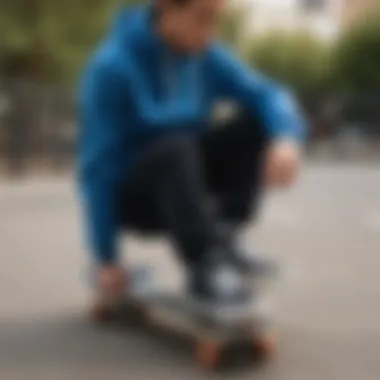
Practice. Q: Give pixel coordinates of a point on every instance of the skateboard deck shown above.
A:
(213, 321)
(213, 328)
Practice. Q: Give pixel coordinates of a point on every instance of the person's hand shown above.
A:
(283, 163)
(112, 280)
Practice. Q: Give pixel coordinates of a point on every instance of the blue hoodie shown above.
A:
(135, 88)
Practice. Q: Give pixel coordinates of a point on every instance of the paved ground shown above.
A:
(327, 233)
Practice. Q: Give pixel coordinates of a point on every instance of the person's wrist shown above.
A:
(283, 161)
(107, 262)
(290, 141)
(111, 277)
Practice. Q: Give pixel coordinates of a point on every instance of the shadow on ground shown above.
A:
(71, 345)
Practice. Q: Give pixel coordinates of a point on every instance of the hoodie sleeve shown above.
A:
(101, 172)
(277, 108)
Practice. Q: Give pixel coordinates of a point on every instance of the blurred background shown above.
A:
(325, 50)
(326, 230)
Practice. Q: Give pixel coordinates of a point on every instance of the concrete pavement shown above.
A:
(326, 232)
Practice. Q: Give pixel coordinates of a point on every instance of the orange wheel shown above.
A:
(264, 346)
(209, 354)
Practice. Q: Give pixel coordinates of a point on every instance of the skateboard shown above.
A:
(214, 331)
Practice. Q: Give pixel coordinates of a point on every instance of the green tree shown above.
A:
(231, 30)
(299, 60)
(357, 57)
(48, 40)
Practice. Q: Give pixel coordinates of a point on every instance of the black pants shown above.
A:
(180, 176)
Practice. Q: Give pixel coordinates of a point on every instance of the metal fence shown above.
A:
(37, 128)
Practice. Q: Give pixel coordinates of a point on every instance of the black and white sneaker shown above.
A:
(247, 265)
(252, 265)
(216, 287)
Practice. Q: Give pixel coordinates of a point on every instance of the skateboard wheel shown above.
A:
(209, 355)
(264, 346)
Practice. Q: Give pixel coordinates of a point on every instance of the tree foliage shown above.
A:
(231, 30)
(299, 60)
(357, 57)
(48, 40)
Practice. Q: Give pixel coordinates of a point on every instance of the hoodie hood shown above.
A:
(134, 26)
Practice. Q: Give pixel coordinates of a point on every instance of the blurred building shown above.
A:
(355, 10)
(324, 18)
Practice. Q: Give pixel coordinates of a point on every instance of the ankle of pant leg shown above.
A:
(193, 249)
